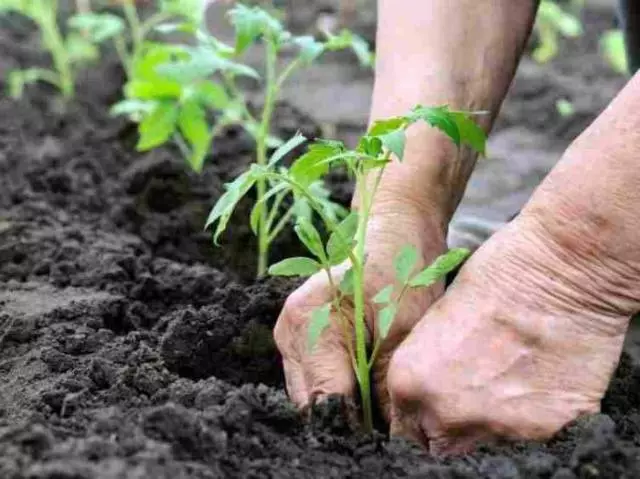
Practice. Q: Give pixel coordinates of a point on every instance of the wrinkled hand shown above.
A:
(328, 369)
(521, 344)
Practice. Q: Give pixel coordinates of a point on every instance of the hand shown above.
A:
(522, 343)
(328, 369)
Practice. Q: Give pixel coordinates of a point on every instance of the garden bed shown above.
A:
(135, 349)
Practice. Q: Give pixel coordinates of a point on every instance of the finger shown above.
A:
(295, 383)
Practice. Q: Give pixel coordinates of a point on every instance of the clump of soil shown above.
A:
(135, 349)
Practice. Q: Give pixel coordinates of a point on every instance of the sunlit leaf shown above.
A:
(211, 94)
(193, 125)
(157, 127)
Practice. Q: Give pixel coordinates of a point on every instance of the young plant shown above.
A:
(175, 89)
(384, 141)
(552, 22)
(68, 52)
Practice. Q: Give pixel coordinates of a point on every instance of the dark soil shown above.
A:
(135, 349)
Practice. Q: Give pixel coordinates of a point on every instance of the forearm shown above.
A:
(595, 188)
(462, 53)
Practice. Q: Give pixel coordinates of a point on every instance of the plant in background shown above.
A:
(69, 52)
(614, 50)
(174, 90)
(346, 240)
(551, 23)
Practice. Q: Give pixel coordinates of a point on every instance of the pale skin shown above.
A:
(529, 334)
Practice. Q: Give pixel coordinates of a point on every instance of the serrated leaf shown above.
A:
(193, 125)
(250, 23)
(346, 283)
(341, 241)
(385, 319)
(223, 209)
(394, 141)
(384, 295)
(438, 117)
(470, 132)
(98, 26)
(309, 236)
(291, 144)
(299, 266)
(311, 166)
(319, 321)
(404, 262)
(439, 268)
(157, 127)
(381, 127)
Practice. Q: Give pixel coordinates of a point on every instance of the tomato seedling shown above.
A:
(174, 90)
(346, 243)
(69, 52)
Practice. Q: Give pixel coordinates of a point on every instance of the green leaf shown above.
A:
(384, 295)
(614, 50)
(311, 166)
(132, 108)
(250, 23)
(98, 26)
(404, 262)
(153, 90)
(394, 141)
(439, 117)
(370, 145)
(341, 241)
(291, 144)
(193, 125)
(348, 39)
(440, 267)
(346, 284)
(319, 322)
(223, 209)
(310, 49)
(310, 237)
(79, 49)
(470, 132)
(381, 127)
(213, 95)
(385, 318)
(156, 128)
(299, 266)
(192, 10)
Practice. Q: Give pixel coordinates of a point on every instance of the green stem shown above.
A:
(362, 363)
(54, 41)
(261, 152)
(281, 224)
(135, 27)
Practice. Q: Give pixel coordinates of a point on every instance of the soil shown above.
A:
(133, 348)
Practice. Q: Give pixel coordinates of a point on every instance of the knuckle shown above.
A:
(403, 381)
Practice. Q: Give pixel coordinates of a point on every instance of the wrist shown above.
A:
(428, 183)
